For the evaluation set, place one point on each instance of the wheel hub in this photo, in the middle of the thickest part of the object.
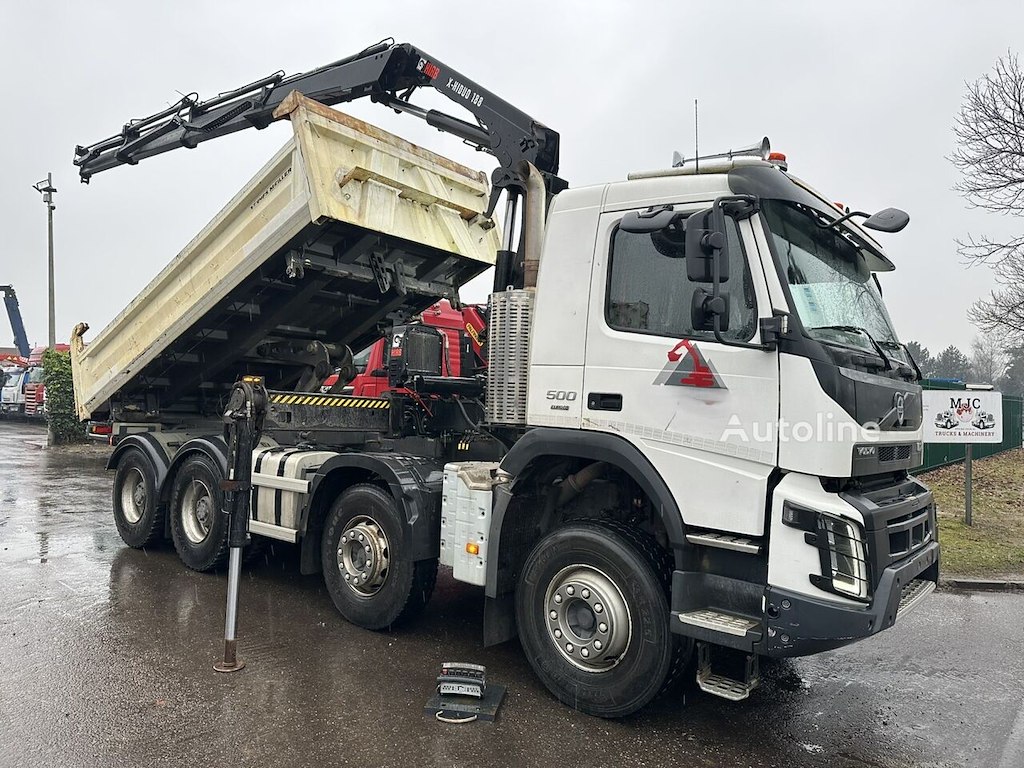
(363, 556)
(197, 511)
(133, 496)
(587, 618)
(203, 514)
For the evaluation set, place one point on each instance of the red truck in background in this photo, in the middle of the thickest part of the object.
(464, 331)
(35, 388)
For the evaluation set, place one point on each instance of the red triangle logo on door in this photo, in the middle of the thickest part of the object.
(687, 367)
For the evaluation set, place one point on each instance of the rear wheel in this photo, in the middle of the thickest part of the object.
(199, 526)
(593, 618)
(368, 572)
(136, 513)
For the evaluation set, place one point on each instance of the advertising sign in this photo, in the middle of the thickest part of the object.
(962, 416)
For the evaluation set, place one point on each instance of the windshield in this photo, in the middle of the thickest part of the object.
(832, 288)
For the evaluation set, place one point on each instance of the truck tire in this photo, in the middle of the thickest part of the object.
(137, 513)
(199, 526)
(593, 618)
(371, 580)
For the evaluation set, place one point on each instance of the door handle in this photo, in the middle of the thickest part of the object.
(604, 401)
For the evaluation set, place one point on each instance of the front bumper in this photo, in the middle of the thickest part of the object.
(798, 625)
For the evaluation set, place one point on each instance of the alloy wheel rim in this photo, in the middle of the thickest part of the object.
(364, 556)
(587, 618)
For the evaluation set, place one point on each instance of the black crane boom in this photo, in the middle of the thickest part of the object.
(387, 73)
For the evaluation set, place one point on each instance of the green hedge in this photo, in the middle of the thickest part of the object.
(60, 398)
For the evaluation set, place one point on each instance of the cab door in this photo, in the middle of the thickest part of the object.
(704, 413)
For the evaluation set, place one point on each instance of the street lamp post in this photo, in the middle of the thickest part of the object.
(47, 190)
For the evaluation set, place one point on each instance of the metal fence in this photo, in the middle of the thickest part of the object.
(940, 454)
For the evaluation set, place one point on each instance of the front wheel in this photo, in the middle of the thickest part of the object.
(199, 526)
(367, 570)
(593, 618)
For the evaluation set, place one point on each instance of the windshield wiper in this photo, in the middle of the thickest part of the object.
(860, 331)
(903, 348)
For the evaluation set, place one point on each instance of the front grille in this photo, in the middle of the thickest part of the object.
(908, 533)
(899, 521)
(888, 453)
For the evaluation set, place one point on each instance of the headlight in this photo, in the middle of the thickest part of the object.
(847, 560)
(844, 567)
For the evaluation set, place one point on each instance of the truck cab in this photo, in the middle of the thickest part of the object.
(983, 420)
(35, 392)
(12, 395)
(776, 450)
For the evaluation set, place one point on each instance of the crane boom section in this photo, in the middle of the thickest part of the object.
(387, 73)
(17, 324)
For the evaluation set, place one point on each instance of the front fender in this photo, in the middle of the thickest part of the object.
(599, 446)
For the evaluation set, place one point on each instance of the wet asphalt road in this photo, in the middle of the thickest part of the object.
(106, 659)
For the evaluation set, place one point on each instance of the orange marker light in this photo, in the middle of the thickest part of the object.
(473, 548)
(778, 160)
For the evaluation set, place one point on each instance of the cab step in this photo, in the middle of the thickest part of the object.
(725, 541)
(719, 621)
(721, 685)
(912, 593)
(717, 609)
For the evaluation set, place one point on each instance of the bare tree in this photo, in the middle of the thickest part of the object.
(988, 360)
(1013, 380)
(990, 154)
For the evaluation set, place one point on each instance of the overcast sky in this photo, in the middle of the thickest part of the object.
(861, 97)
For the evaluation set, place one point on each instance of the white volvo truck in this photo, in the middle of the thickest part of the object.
(693, 437)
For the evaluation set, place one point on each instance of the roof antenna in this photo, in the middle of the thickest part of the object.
(696, 140)
(678, 161)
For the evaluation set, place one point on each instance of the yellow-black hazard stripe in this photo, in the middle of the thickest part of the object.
(331, 401)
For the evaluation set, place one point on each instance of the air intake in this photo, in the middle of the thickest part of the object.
(508, 352)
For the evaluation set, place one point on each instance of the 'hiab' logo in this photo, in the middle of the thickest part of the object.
(687, 367)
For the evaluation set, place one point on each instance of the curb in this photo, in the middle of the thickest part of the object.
(983, 585)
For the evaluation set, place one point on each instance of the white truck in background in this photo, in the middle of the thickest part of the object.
(693, 435)
(12, 390)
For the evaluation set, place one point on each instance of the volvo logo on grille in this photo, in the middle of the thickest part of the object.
(899, 402)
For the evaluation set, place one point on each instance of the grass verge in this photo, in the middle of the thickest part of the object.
(993, 547)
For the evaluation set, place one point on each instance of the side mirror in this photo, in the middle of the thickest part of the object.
(703, 240)
(888, 220)
(705, 308)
